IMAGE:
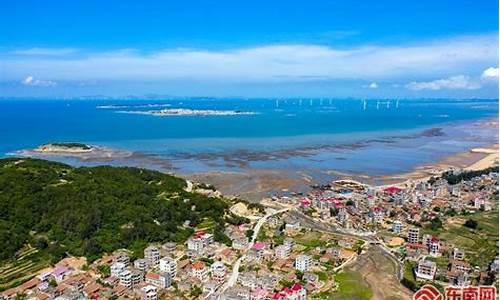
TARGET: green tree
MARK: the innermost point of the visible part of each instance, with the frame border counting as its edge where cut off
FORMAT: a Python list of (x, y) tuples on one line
[(470, 223)]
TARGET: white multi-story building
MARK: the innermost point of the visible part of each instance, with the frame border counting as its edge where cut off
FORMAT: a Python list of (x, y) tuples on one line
[(126, 278), (458, 254), (152, 255), (161, 280), (426, 270), (136, 277), (122, 257), (434, 247), (141, 264), (117, 268), (149, 292), (168, 265), (290, 243), (413, 235), (198, 270), (218, 272), (397, 227), (195, 245), (199, 241), (282, 251), (303, 263)]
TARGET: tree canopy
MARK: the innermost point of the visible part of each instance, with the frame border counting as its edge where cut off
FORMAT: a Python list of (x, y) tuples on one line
[(91, 210)]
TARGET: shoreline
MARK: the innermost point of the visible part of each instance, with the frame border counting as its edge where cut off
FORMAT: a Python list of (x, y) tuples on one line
[(471, 160), (255, 183)]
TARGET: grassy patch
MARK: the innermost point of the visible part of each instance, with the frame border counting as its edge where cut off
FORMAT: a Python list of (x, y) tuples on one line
[(409, 279), (351, 287), (323, 276), (206, 225), (481, 244), (16, 271), (310, 240)]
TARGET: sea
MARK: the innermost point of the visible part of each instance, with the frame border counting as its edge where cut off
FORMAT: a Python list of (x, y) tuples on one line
[(373, 137)]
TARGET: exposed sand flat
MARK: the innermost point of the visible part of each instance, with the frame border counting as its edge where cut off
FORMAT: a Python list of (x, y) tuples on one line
[(92, 154), (490, 160), (485, 150)]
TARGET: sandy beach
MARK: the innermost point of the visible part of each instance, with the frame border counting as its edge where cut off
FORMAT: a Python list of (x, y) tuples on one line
[(472, 160)]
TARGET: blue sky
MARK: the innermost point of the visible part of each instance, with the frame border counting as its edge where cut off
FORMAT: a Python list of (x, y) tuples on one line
[(250, 48)]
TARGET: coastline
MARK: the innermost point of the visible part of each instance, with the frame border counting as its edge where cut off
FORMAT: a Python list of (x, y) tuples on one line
[(472, 160), (254, 175)]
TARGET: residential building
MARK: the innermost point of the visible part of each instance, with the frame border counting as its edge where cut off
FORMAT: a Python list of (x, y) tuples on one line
[(434, 247), (303, 263), (218, 272), (160, 280), (149, 292), (397, 227), (458, 254), (413, 235), (122, 257), (168, 265), (198, 270), (141, 264), (136, 277), (460, 266), (290, 243), (152, 255), (296, 292), (259, 294), (126, 278), (282, 251), (292, 227), (169, 247), (426, 270), (195, 245), (117, 268)]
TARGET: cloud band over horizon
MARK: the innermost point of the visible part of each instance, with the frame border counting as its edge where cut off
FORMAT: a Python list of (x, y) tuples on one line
[(453, 63)]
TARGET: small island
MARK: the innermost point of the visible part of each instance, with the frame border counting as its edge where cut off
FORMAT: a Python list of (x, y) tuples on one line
[(80, 151), (187, 112), (65, 147)]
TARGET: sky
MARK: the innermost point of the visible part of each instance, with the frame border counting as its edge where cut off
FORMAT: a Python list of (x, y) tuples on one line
[(249, 48)]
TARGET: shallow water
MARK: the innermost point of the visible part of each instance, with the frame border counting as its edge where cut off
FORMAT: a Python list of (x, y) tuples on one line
[(376, 137)]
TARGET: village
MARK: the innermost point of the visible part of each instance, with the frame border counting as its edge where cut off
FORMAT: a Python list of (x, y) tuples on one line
[(294, 246)]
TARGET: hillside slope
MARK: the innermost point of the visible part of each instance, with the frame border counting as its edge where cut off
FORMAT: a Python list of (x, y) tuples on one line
[(88, 211)]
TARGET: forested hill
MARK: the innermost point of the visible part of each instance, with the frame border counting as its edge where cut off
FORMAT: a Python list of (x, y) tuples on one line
[(88, 211)]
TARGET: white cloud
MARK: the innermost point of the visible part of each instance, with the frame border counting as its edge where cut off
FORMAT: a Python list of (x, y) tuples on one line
[(44, 51), (273, 62), (490, 74), (373, 85), (30, 80), (461, 82)]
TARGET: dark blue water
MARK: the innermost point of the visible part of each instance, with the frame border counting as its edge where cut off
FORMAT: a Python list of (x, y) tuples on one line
[(276, 126)]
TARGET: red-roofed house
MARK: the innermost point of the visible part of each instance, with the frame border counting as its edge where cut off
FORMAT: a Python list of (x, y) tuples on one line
[(296, 292), (259, 246), (258, 294), (199, 271), (392, 190)]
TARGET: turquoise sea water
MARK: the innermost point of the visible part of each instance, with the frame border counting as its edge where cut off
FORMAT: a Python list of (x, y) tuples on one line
[(375, 137)]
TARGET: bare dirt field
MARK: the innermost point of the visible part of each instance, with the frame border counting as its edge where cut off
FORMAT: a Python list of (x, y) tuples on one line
[(379, 272)]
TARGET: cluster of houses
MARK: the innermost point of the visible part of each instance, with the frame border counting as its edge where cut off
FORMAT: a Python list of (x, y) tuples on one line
[(278, 265), (363, 209), (458, 271)]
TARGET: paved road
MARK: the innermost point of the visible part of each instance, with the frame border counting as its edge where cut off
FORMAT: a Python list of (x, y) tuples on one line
[(236, 267), (319, 226), (316, 225)]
